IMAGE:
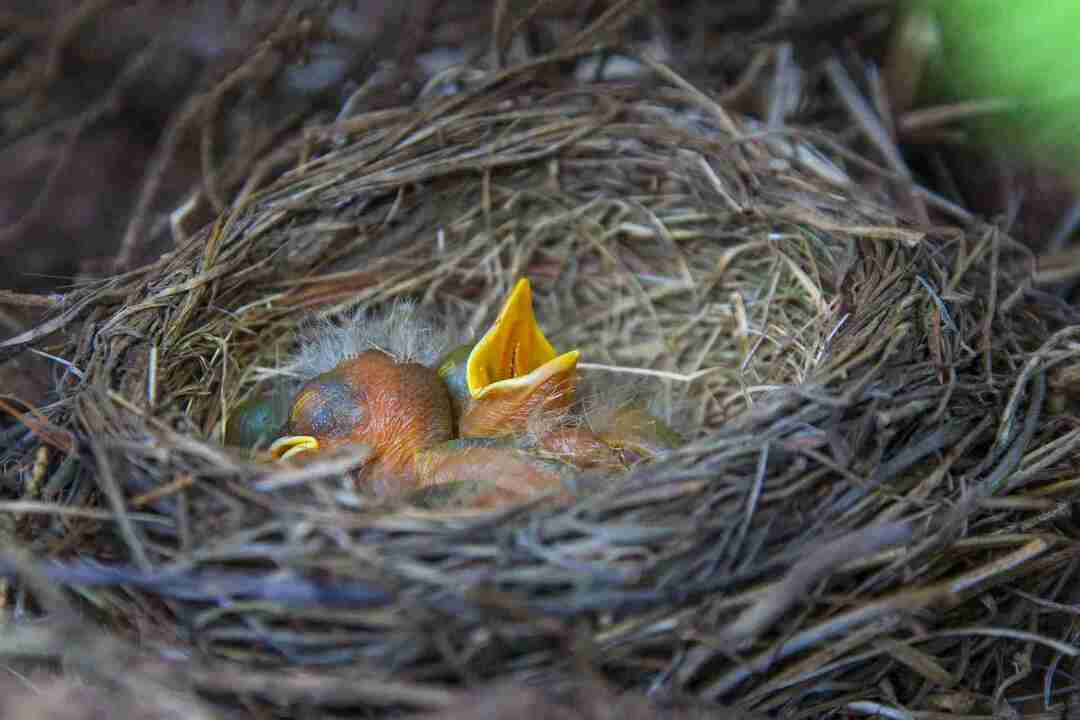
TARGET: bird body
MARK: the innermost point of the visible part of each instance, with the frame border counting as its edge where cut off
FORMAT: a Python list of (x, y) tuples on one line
[(487, 473)]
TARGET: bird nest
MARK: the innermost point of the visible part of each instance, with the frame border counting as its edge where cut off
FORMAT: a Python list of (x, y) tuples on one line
[(872, 509)]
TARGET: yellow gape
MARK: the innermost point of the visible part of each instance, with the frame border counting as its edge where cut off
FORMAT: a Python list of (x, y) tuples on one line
[(514, 372)]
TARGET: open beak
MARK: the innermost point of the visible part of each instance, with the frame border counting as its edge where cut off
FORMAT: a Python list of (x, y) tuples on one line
[(292, 445), (514, 369), (514, 353)]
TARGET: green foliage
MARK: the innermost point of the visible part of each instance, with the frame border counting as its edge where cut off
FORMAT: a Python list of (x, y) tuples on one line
[(1026, 51)]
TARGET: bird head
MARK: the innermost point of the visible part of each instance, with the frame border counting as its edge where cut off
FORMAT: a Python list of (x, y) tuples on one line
[(512, 373), (395, 408)]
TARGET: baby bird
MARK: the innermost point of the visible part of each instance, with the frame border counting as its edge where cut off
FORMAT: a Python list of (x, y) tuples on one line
[(491, 422), (397, 408), (369, 382)]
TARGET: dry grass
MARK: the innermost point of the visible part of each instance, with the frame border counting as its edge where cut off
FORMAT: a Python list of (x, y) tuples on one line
[(874, 514)]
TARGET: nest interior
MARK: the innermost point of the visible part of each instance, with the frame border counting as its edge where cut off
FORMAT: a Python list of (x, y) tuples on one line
[(874, 508)]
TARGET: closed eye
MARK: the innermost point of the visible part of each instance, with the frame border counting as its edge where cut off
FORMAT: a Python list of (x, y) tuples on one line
[(327, 407)]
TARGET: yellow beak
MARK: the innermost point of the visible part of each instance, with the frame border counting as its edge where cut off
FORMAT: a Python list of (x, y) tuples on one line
[(292, 445), (514, 355)]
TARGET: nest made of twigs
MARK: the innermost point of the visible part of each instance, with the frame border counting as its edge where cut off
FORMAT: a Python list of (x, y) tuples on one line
[(873, 503)]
